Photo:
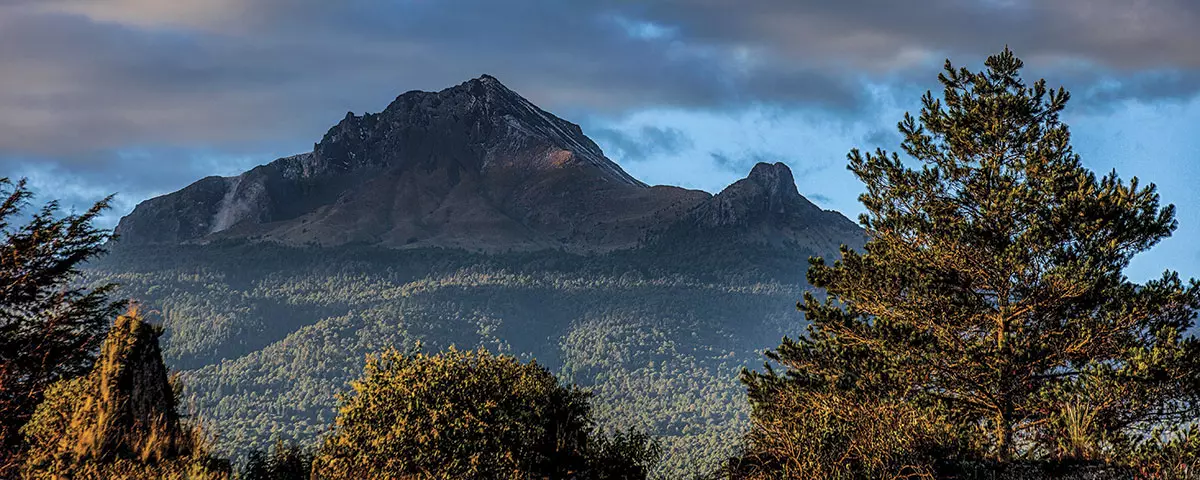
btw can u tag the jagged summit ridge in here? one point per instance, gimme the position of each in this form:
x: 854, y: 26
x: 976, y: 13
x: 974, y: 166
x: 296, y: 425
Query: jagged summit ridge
x: 481, y: 112
x: 769, y: 190
x: 474, y: 166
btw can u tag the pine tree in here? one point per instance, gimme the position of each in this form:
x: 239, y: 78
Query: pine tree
x: 283, y: 462
x: 990, y: 300
x: 50, y: 326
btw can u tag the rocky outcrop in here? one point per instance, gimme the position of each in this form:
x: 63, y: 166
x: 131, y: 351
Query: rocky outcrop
x: 769, y: 192
x: 766, y: 208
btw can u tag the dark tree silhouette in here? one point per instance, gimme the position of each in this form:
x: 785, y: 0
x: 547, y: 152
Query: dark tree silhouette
x: 50, y: 326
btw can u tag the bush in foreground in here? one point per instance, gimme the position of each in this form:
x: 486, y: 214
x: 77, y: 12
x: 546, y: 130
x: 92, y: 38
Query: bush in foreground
x: 120, y: 421
x: 471, y: 414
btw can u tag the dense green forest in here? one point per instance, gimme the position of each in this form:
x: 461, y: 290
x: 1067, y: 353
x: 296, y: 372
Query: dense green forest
x: 267, y: 336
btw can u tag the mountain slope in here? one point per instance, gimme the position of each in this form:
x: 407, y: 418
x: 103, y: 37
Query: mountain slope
x: 470, y: 217
x: 474, y: 166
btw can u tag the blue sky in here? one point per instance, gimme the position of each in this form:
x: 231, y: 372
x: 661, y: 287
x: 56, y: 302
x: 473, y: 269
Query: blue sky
x: 142, y: 97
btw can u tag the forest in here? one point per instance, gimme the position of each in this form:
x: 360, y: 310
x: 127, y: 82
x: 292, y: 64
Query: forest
x: 985, y: 329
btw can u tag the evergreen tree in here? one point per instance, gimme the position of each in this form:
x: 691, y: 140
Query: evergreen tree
x: 989, y: 303
x: 282, y: 462
x: 50, y: 326
x: 121, y: 420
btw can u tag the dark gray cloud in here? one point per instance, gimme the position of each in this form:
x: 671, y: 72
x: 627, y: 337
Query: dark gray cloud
x: 1121, y: 34
x: 743, y: 162
x: 641, y: 144
x: 284, y: 69
x: 85, y: 79
x: 107, y: 73
x: 818, y: 198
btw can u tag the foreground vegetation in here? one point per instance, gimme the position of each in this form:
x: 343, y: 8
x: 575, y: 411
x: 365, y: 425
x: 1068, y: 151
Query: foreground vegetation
x: 119, y: 421
x: 986, y: 330
x: 472, y: 415
x: 987, y: 326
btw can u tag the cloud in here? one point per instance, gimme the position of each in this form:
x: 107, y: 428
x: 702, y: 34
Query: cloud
x: 85, y: 80
x: 86, y: 75
x: 641, y: 144
x: 886, y: 138
x: 818, y: 198
x: 743, y: 162
x: 131, y: 175
x: 888, y: 34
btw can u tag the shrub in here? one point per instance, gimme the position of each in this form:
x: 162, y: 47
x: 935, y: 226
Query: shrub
x: 471, y: 414
x: 120, y: 421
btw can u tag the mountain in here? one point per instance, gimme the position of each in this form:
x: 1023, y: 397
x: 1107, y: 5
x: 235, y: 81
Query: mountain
x: 766, y: 208
x: 470, y: 217
x: 475, y: 166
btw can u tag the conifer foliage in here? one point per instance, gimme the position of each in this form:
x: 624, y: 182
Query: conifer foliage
x: 989, y: 308
x: 120, y: 421
x: 285, y: 461
x: 49, y: 325
x: 471, y: 414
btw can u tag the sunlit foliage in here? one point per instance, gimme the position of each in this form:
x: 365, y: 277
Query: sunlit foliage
x: 121, y: 420
x: 471, y: 414
x: 990, y: 300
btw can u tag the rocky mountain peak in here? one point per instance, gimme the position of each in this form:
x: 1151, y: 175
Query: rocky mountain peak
x: 775, y: 182
x: 768, y: 191
x: 432, y: 168
x: 486, y: 84
x: 474, y: 166
x: 488, y: 124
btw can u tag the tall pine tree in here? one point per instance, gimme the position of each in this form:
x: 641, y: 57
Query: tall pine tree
x: 990, y: 298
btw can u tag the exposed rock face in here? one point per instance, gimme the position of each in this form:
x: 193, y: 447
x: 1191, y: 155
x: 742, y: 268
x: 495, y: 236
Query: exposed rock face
x: 765, y: 207
x: 474, y: 166
x: 768, y: 192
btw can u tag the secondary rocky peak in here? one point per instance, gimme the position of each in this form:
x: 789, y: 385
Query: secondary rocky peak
x: 769, y: 191
x: 775, y: 182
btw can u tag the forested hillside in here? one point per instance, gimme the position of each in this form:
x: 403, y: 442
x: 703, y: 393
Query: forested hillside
x: 268, y: 335
x: 470, y: 217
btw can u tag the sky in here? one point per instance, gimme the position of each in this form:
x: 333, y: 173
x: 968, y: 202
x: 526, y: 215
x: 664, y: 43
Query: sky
x: 142, y: 97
